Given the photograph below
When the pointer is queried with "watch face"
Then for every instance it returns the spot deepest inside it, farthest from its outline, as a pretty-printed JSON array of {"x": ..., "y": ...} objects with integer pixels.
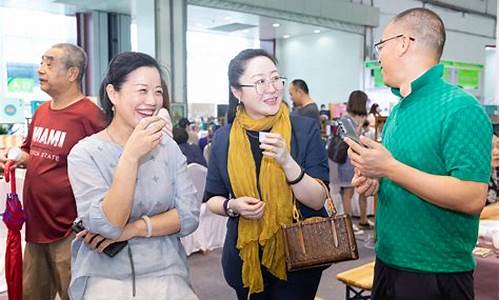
[{"x": 231, "y": 212}]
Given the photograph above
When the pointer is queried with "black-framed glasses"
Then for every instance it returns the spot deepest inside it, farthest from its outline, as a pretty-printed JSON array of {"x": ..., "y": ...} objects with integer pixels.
[
  {"x": 261, "y": 85},
  {"x": 378, "y": 46}
]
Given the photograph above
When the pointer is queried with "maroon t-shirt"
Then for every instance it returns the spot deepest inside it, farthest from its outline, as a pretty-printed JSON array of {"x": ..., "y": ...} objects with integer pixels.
[{"x": 48, "y": 199}]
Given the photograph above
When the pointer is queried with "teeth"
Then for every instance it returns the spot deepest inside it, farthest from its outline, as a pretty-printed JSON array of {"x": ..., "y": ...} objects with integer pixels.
[{"x": 146, "y": 112}]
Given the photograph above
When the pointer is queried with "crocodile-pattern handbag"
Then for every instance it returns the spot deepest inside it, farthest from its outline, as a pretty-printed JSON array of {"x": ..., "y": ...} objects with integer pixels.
[{"x": 319, "y": 241}]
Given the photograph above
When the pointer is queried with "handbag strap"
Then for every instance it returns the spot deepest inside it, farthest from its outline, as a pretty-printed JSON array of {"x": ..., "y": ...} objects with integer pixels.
[{"x": 330, "y": 208}]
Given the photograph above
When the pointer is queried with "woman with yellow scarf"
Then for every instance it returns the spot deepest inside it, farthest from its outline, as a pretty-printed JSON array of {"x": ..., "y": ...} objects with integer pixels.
[{"x": 259, "y": 162}]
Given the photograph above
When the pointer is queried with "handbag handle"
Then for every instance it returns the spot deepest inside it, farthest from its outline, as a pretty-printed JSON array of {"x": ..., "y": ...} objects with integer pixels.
[{"x": 331, "y": 210}]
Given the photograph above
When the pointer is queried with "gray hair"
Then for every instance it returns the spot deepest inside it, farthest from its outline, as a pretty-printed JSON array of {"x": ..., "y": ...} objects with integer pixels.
[
  {"x": 74, "y": 56},
  {"x": 426, "y": 26}
]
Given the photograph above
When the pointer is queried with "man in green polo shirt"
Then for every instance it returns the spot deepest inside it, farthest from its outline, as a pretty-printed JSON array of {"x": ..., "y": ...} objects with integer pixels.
[{"x": 431, "y": 171}]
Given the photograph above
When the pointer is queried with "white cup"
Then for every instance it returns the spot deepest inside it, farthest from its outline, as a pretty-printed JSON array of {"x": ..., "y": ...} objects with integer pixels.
[
  {"x": 263, "y": 135},
  {"x": 14, "y": 154}
]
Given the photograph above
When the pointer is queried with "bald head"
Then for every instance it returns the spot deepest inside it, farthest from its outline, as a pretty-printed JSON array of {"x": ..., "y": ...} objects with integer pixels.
[
  {"x": 426, "y": 27},
  {"x": 74, "y": 56}
]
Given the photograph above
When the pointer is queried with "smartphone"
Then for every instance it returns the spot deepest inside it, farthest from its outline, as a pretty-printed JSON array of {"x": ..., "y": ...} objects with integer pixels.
[
  {"x": 110, "y": 250},
  {"x": 348, "y": 129}
]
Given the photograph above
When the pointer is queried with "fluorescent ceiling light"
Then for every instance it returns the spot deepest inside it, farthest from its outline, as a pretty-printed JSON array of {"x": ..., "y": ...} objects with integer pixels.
[
  {"x": 276, "y": 25},
  {"x": 317, "y": 31},
  {"x": 286, "y": 36}
]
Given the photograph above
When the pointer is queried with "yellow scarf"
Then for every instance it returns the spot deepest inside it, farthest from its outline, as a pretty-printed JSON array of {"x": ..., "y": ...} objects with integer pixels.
[{"x": 275, "y": 192}]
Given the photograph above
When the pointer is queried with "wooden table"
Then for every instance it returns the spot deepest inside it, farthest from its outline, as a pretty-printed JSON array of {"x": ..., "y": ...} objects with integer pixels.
[{"x": 358, "y": 281}]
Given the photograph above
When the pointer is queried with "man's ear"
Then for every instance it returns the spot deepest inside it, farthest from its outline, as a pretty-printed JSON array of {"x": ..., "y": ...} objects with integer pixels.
[
  {"x": 112, "y": 93},
  {"x": 404, "y": 45},
  {"x": 72, "y": 74}
]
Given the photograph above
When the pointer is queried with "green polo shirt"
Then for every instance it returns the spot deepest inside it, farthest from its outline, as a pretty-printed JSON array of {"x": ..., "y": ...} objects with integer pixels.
[{"x": 441, "y": 130}]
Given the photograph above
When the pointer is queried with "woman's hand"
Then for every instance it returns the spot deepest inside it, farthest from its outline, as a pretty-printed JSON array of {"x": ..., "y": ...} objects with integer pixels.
[
  {"x": 248, "y": 207},
  {"x": 145, "y": 137},
  {"x": 275, "y": 147},
  {"x": 163, "y": 113},
  {"x": 94, "y": 241},
  {"x": 98, "y": 243}
]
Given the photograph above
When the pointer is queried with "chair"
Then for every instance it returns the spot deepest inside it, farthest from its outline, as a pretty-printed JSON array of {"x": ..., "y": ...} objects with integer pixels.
[
  {"x": 358, "y": 280},
  {"x": 211, "y": 230}
]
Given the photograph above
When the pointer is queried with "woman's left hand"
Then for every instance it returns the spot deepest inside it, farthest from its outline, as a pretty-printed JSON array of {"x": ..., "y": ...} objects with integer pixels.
[
  {"x": 94, "y": 241},
  {"x": 275, "y": 147},
  {"x": 98, "y": 243}
]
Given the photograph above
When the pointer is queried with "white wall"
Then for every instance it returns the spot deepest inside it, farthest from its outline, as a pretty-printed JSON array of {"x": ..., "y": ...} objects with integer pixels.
[
  {"x": 143, "y": 30},
  {"x": 208, "y": 56},
  {"x": 490, "y": 81},
  {"x": 466, "y": 34},
  {"x": 331, "y": 63}
]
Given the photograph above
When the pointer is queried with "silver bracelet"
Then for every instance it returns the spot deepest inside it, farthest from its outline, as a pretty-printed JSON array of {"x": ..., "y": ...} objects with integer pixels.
[{"x": 149, "y": 226}]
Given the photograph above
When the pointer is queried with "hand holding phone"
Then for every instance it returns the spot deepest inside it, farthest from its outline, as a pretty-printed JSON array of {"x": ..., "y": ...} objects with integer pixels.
[
  {"x": 348, "y": 129},
  {"x": 110, "y": 250}
]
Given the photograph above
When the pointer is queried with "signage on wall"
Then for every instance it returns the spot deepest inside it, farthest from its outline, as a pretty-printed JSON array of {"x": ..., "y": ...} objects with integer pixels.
[
  {"x": 465, "y": 75},
  {"x": 375, "y": 73},
  {"x": 21, "y": 78},
  {"x": 34, "y": 105},
  {"x": 11, "y": 111}
]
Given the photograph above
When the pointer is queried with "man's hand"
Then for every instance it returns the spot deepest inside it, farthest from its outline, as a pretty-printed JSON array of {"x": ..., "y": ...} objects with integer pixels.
[
  {"x": 373, "y": 160},
  {"x": 3, "y": 158},
  {"x": 363, "y": 185}
]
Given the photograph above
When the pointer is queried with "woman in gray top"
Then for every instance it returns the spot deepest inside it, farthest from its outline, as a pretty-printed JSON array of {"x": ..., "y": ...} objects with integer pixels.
[{"x": 131, "y": 184}]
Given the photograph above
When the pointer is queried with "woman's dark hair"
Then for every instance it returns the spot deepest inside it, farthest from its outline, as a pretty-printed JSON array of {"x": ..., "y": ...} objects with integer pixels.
[
  {"x": 118, "y": 70},
  {"x": 373, "y": 109},
  {"x": 237, "y": 67},
  {"x": 180, "y": 135},
  {"x": 356, "y": 104}
]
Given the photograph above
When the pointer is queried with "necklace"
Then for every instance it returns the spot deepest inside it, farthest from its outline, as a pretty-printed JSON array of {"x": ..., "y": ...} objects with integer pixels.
[{"x": 111, "y": 137}]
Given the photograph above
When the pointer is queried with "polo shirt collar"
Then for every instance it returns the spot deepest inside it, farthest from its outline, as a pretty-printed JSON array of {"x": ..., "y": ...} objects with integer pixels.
[{"x": 430, "y": 76}]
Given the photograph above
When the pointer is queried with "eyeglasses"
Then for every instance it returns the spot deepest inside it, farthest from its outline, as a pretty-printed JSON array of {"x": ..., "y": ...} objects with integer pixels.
[
  {"x": 261, "y": 85},
  {"x": 378, "y": 46}
]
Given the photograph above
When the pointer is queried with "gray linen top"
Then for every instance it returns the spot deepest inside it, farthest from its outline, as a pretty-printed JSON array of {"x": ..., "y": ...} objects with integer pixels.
[{"x": 162, "y": 184}]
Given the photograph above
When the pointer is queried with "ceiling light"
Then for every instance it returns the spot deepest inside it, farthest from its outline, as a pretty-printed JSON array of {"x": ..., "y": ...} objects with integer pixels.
[
  {"x": 317, "y": 31},
  {"x": 245, "y": 31},
  {"x": 286, "y": 36},
  {"x": 276, "y": 25},
  {"x": 228, "y": 18}
]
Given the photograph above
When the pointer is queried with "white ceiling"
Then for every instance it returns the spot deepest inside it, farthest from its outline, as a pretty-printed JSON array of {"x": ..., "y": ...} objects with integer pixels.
[
  {"x": 199, "y": 18},
  {"x": 203, "y": 19}
]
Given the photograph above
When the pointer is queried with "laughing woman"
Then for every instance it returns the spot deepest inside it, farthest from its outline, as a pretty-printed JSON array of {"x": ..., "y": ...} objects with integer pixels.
[
  {"x": 253, "y": 181},
  {"x": 131, "y": 184}
]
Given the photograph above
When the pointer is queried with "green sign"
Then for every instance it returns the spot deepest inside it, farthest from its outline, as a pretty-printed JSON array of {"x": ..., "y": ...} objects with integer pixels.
[
  {"x": 468, "y": 76},
  {"x": 20, "y": 85},
  {"x": 465, "y": 75},
  {"x": 468, "y": 79},
  {"x": 376, "y": 72}
]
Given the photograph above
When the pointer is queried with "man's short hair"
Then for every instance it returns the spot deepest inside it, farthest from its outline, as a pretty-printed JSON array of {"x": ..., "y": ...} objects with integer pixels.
[
  {"x": 74, "y": 56},
  {"x": 301, "y": 84},
  {"x": 426, "y": 26},
  {"x": 180, "y": 135}
]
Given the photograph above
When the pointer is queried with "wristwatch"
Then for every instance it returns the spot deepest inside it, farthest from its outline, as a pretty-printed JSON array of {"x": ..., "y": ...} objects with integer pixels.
[{"x": 229, "y": 211}]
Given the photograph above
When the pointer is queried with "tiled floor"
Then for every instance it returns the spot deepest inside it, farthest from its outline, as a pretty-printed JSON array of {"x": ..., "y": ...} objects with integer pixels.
[{"x": 209, "y": 283}]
